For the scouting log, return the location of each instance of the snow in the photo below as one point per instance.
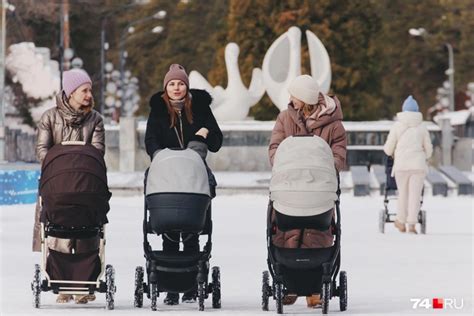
(456, 118)
(384, 270)
(379, 126)
(350, 126)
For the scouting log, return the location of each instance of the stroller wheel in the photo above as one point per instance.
(110, 284)
(343, 291)
(201, 295)
(153, 295)
(325, 297)
(138, 299)
(216, 287)
(279, 297)
(266, 290)
(36, 287)
(382, 220)
(423, 222)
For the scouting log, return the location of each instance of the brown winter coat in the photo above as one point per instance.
(329, 127)
(56, 126)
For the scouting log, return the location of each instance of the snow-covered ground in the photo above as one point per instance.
(384, 271)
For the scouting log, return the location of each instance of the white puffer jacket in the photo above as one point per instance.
(409, 142)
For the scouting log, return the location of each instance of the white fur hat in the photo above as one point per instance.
(305, 88)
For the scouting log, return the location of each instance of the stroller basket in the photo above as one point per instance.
(178, 212)
(59, 231)
(301, 258)
(81, 266)
(320, 222)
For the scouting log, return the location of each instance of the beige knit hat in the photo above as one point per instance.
(305, 88)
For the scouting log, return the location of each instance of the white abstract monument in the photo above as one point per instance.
(282, 63)
(232, 103)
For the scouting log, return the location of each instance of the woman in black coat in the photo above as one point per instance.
(178, 116)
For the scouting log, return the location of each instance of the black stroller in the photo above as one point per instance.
(177, 199)
(75, 200)
(304, 192)
(390, 193)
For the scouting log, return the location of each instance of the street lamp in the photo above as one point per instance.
(104, 46)
(77, 63)
(130, 26)
(421, 32)
(157, 29)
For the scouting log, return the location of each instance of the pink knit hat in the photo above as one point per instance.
(73, 79)
(176, 72)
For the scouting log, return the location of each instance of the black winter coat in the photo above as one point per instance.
(159, 135)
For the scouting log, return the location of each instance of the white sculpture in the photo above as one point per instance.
(282, 63)
(31, 67)
(38, 75)
(234, 102)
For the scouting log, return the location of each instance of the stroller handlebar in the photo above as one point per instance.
(73, 142)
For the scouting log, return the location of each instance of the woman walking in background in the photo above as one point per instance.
(410, 145)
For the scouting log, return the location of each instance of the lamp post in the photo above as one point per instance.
(104, 45)
(421, 32)
(159, 15)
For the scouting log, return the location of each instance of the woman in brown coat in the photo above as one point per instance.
(73, 119)
(309, 112)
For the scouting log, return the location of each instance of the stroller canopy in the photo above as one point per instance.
(304, 180)
(73, 186)
(177, 171)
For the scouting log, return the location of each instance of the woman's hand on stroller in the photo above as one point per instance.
(203, 132)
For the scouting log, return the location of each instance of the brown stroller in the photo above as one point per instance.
(75, 200)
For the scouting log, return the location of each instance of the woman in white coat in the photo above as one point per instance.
(410, 145)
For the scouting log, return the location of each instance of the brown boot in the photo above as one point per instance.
(313, 300)
(81, 299)
(91, 297)
(63, 298)
(401, 227)
(289, 299)
(412, 229)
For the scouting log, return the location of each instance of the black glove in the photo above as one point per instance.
(199, 147)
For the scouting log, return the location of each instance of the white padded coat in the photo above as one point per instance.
(409, 142)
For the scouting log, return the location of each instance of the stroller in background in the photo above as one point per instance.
(304, 194)
(75, 200)
(177, 199)
(390, 193)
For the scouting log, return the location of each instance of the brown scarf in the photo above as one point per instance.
(72, 117)
(177, 104)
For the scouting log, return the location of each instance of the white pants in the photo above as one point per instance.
(410, 186)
